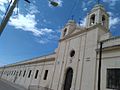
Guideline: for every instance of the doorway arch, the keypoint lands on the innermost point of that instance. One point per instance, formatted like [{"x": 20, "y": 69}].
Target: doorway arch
[{"x": 68, "y": 79}]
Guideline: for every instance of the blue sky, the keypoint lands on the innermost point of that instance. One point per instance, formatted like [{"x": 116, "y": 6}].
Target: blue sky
[{"x": 35, "y": 30}]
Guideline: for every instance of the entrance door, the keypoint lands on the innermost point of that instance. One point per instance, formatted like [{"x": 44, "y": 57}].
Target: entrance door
[{"x": 68, "y": 79}]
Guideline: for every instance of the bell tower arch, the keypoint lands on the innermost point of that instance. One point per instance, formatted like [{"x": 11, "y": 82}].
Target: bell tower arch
[{"x": 98, "y": 15}]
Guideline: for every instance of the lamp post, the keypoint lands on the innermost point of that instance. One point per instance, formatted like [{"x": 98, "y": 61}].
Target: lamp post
[
  {"x": 7, "y": 16},
  {"x": 10, "y": 11}
]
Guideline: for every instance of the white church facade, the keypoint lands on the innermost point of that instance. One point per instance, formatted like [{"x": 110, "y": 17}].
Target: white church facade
[{"x": 86, "y": 58}]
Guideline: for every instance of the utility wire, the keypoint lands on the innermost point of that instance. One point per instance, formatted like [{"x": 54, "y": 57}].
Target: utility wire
[{"x": 71, "y": 12}]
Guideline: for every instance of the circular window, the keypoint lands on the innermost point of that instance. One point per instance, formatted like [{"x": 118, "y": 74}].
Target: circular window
[{"x": 72, "y": 53}]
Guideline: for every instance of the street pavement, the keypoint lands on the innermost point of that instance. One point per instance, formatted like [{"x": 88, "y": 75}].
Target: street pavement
[{"x": 7, "y": 86}]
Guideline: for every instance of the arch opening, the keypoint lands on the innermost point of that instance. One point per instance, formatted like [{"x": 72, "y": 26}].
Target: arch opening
[
  {"x": 65, "y": 31},
  {"x": 92, "y": 19},
  {"x": 68, "y": 79},
  {"x": 103, "y": 20}
]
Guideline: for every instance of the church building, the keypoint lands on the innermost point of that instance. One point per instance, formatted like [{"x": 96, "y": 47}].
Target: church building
[{"x": 87, "y": 58}]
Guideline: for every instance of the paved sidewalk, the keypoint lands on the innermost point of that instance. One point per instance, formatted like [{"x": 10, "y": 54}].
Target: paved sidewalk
[{"x": 6, "y": 85}]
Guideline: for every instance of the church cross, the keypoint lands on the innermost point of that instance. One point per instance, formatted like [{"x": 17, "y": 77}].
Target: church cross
[{"x": 98, "y": 1}]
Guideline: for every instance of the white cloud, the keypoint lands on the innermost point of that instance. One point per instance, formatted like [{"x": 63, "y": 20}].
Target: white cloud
[
  {"x": 1, "y": 16},
  {"x": 45, "y": 21},
  {"x": 33, "y": 9},
  {"x": 51, "y": 37},
  {"x": 111, "y": 2},
  {"x": 2, "y": 5},
  {"x": 113, "y": 20},
  {"x": 27, "y": 22},
  {"x": 110, "y": 13},
  {"x": 2, "y": 2},
  {"x": 59, "y": 2},
  {"x": 41, "y": 41},
  {"x": 2, "y": 9},
  {"x": 46, "y": 30},
  {"x": 83, "y": 22},
  {"x": 85, "y": 9},
  {"x": 84, "y": 6}
]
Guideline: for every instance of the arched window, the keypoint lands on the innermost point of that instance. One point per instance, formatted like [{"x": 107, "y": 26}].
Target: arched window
[
  {"x": 92, "y": 19},
  {"x": 103, "y": 20},
  {"x": 65, "y": 31}
]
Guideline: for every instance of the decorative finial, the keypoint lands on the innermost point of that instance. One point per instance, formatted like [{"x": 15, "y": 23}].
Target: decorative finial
[{"x": 72, "y": 17}]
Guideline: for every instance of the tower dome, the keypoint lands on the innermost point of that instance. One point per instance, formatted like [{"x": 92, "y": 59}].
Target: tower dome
[{"x": 69, "y": 28}]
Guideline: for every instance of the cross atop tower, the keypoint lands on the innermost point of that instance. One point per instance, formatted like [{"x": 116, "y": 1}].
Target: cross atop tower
[{"x": 98, "y": 1}]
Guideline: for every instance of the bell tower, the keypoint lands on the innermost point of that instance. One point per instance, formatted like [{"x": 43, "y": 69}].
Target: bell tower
[
  {"x": 98, "y": 15},
  {"x": 68, "y": 29}
]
